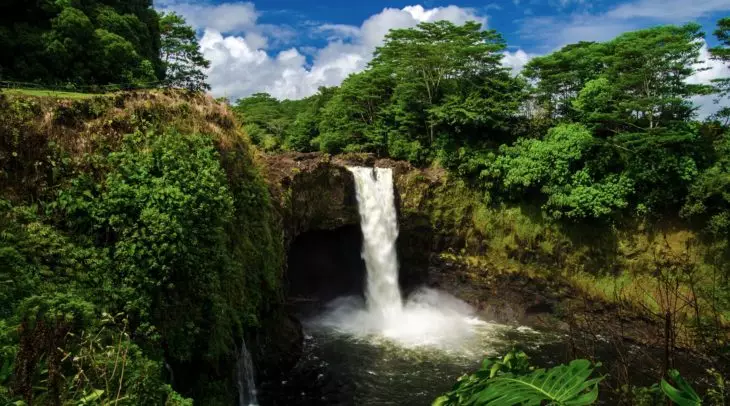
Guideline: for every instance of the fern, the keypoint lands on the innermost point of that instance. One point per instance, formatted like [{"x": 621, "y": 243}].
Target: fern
[{"x": 498, "y": 384}]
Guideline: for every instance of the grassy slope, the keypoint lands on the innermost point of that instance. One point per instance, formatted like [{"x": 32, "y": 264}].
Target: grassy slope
[
  {"x": 605, "y": 263},
  {"x": 49, "y": 93}
]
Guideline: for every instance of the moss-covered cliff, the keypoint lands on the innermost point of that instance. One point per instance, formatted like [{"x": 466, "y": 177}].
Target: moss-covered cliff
[{"x": 140, "y": 215}]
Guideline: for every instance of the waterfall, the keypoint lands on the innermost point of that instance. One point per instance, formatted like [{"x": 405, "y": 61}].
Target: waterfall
[
  {"x": 428, "y": 318},
  {"x": 245, "y": 378},
  {"x": 379, "y": 224}
]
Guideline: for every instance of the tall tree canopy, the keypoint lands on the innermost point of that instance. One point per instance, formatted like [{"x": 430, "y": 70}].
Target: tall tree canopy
[
  {"x": 560, "y": 76},
  {"x": 439, "y": 92},
  {"x": 722, "y": 51},
  {"x": 81, "y": 42},
  {"x": 429, "y": 86}
]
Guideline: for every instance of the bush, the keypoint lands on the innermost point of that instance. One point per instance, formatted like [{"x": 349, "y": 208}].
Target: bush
[{"x": 558, "y": 167}]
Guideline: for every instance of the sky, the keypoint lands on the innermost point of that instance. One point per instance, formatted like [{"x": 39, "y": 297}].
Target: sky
[{"x": 289, "y": 48}]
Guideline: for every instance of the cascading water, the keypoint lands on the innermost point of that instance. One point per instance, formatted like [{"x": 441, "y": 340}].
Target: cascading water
[
  {"x": 245, "y": 378},
  {"x": 379, "y": 224},
  {"x": 428, "y": 317}
]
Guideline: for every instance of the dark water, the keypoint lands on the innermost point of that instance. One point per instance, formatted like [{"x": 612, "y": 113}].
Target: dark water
[{"x": 338, "y": 369}]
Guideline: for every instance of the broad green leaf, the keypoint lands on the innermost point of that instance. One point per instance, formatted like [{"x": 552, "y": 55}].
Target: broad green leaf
[{"x": 682, "y": 396}]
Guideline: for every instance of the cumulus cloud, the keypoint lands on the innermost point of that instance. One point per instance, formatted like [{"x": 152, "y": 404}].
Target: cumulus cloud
[
  {"x": 707, "y": 71},
  {"x": 240, "y": 64},
  {"x": 238, "y": 69},
  {"x": 555, "y": 32},
  {"x": 229, "y": 18},
  {"x": 339, "y": 31},
  {"x": 223, "y": 17},
  {"x": 516, "y": 60}
]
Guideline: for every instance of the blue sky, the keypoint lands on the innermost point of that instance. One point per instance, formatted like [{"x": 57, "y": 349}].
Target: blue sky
[{"x": 290, "y": 47}]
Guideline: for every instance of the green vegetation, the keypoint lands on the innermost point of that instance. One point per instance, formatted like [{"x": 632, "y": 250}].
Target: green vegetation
[
  {"x": 137, "y": 240},
  {"x": 180, "y": 54},
  {"x": 49, "y": 93},
  {"x": 590, "y": 167},
  {"x": 616, "y": 117},
  {"x": 512, "y": 381},
  {"x": 51, "y": 42},
  {"x": 88, "y": 45}
]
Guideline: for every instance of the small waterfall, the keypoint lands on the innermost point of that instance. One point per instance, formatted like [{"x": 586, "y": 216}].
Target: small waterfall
[
  {"x": 379, "y": 223},
  {"x": 245, "y": 378},
  {"x": 172, "y": 374}
]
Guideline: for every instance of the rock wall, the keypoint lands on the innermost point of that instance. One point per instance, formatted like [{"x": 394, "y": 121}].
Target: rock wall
[{"x": 316, "y": 192}]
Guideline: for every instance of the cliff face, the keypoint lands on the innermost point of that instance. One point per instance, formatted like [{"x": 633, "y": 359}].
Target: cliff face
[
  {"x": 315, "y": 194},
  {"x": 310, "y": 192}
]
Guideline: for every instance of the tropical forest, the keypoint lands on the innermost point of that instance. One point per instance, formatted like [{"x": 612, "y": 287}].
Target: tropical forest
[{"x": 437, "y": 228}]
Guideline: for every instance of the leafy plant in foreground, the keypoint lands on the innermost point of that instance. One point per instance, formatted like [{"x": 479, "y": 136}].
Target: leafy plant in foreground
[
  {"x": 682, "y": 394},
  {"x": 511, "y": 381}
]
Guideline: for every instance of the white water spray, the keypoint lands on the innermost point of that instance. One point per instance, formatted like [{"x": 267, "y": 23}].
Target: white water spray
[
  {"x": 245, "y": 378},
  {"x": 429, "y": 317}
]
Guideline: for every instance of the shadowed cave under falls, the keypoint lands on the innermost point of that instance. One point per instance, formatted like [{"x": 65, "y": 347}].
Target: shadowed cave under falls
[
  {"x": 365, "y": 342},
  {"x": 326, "y": 264}
]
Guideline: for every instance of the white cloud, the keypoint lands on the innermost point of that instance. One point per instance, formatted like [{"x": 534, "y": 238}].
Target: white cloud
[
  {"x": 224, "y": 17},
  {"x": 457, "y": 15},
  {"x": 557, "y": 31},
  {"x": 240, "y": 65},
  {"x": 668, "y": 10},
  {"x": 339, "y": 30},
  {"x": 566, "y": 3},
  {"x": 238, "y": 69},
  {"x": 708, "y": 70},
  {"x": 239, "y": 18},
  {"x": 516, "y": 60}
]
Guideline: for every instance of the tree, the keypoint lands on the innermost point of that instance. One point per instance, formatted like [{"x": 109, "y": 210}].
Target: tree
[
  {"x": 708, "y": 199},
  {"x": 561, "y": 75},
  {"x": 267, "y": 120},
  {"x": 180, "y": 53},
  {"x": 648, "y": 70},
  {"x": 61, "y": 42},
  {"x": 722, "y": 51},
  {"x": 434, "y": 61},
  {"x": 72, "y": 35},
  {"x": 560, "y": 167},
  {"x": 306, "y": 124},
  {"x": 353, "y": 117},
  {"x": 637, "y": 80}
]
